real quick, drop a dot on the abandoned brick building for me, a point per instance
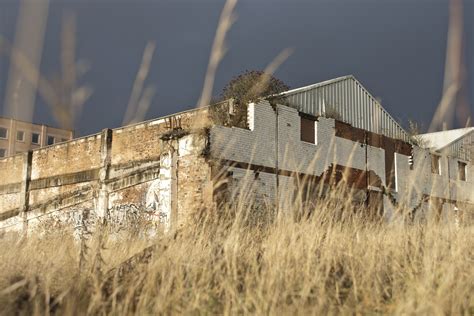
(169, 166)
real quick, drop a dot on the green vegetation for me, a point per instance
(251, 86)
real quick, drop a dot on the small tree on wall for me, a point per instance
(250, 86)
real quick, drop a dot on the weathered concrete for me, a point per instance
(171, 167)
(134, 167)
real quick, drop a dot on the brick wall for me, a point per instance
(165, 167)
(131, 168)
(11, 176)
(376, 157)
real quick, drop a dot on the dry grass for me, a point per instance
(239, 261)
(242, 260)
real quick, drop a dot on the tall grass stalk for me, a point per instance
(235, 260)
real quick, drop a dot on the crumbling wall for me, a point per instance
(11, 177)
(11, 169)
(300, 156)
(194, 186)
(256, 149)
(64, 173)
(66, 158)
(377, 165)
(60, 178)
(166, 168)
(176, 151)
(141, 142)
(116, 174)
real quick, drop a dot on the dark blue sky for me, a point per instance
(396, 48)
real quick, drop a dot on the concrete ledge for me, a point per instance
(65, 179)
(9, 213)
(10, 188)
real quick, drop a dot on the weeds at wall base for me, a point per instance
(242, 260)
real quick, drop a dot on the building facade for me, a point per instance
(18, 136)
(170, 167)
(458, 143)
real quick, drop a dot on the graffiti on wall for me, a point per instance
(152, 207)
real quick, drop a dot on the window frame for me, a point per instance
(464, 168)
(50, 137)
(438, 159)
(5, 153)
(6, 132)
(22, 140)
(314, 120)
(39, 138)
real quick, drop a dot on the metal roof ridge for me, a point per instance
(379, 104)
(468, 129)
(331, 81)
(317, 85)
(457, 139)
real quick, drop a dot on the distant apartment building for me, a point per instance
(18, 136)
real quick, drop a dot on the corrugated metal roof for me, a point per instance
(458, 143)
(462, 148)
(346, 98)
(439, 140)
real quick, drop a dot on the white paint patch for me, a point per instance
(186, 145)
(158, 196)
(156, 122)
(251, 116)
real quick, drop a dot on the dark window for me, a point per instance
(308, 130)
(3, 132)
(435, 164)
(390, 149)
(20, 136)
(50, 140)
(3, 152)
(35, 138)
(462, 170)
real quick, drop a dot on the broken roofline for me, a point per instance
(285, 94)
(356, 105)
(469, 130)
(349, 96)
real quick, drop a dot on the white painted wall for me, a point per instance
(259, 146)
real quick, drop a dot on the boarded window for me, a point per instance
(435, 164)
(462, 170)
(308, 129)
